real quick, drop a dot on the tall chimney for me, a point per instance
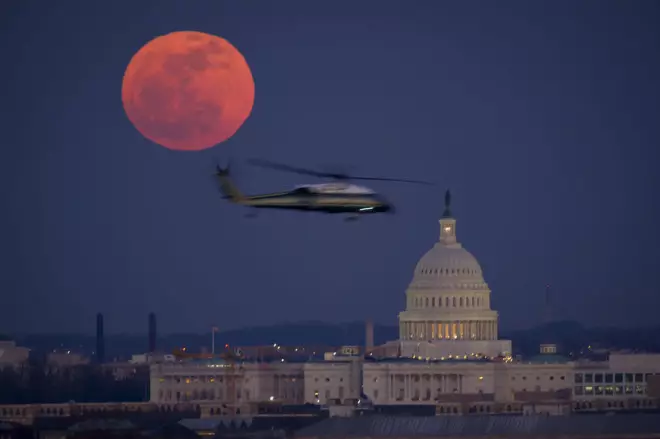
(152, 333)
(547, 306)
(369, 336)
(100, 339)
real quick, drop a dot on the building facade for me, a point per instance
(226, 385)
(12, 355)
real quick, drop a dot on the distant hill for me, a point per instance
(570, 336)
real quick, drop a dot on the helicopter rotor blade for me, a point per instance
(280, 167)
(333, 175)
(398, 180)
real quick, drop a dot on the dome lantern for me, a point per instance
(447, 223)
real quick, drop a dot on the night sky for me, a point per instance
(542, 117)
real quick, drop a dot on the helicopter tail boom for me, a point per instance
(227, 186)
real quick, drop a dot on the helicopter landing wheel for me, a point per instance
(351, 218)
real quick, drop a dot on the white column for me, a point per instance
(406, 393)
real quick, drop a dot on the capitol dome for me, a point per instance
(448, 267)
(448, 298)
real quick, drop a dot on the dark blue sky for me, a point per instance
(542, 117)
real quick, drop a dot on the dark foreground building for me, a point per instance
(638, 426)
(113, 425)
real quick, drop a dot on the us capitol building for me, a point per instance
(448, 303)
(448, 356)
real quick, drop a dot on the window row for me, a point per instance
(448, 302)
(611, 377)
(636, 389)
(538, 378)
(448, 271)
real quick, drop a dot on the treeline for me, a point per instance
(571, 336)
(37, 383)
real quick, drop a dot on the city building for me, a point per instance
(12, 355)
(448, 359)
(448, 355)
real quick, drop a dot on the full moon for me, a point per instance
(188, 91)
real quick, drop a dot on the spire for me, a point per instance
(447, 212)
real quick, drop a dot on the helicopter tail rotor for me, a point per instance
(226, 184)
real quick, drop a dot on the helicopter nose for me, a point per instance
(387, 208)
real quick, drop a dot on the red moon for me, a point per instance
(188, 91)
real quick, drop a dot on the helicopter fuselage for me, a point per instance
(326, 198)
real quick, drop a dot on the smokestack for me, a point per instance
(152, 333)
(369, 336)
(547, 306)
(100, 339)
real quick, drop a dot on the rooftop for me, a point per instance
(484, 426)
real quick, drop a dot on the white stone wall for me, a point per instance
(424, 383)
(251, 382)
(528, 377)
(329, 380)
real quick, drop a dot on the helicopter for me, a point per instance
(337, 197)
